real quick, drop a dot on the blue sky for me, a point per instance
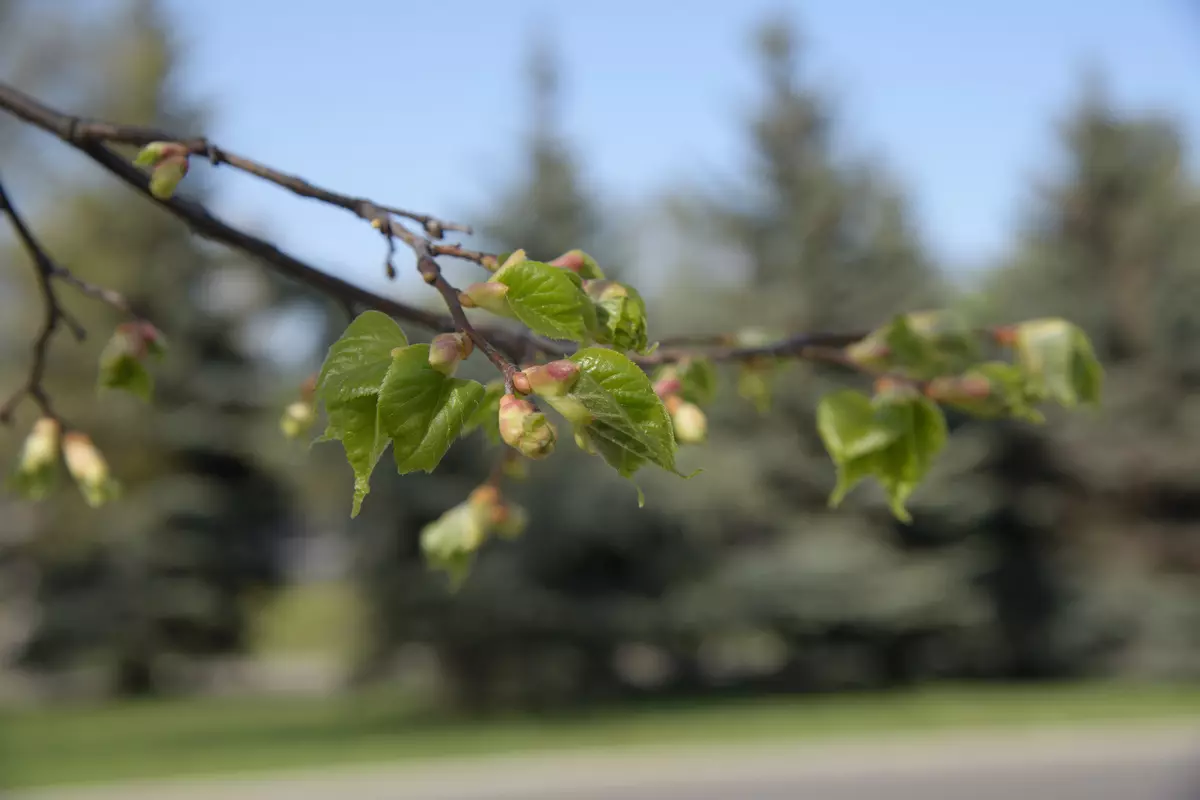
(420, 104)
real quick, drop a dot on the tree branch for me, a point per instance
(504, 347)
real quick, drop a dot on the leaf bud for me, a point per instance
(37, 467)
(89, 469)
(554, 379)
(490, 296)
(447, 350)
(167, 174)
(524, 428)
(690, 423)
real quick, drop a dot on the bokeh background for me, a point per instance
(799, 166)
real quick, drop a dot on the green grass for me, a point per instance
(184, 738)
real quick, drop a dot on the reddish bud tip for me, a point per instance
(572, 261)
(1005, 335)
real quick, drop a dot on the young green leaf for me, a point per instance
(358, 361)
(892, 438)
(423, 410)
(1058, 362)
(550, 301)
(620, 315)
(459, 400)
(355, 423)
(124, 371)
(614, 403)
(122, 361)
(450, 542)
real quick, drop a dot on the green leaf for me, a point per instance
(458, 402)
(893, 438)
(358, 361)
(356, 424)
(121, 363)
(1058, 362)
(124, 371)
(450, 542)
(487, 413)
(422, 410)
(549, 300)
(626, 422)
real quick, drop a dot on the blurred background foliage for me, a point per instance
(1058, 552)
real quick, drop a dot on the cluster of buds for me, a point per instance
(169, 165)
(689, 421)
(447, 351)
(524, 428)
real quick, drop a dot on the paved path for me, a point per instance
(1142, 764)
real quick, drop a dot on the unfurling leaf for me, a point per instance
(892, 438)
(358, 361)
(447, 350)
(451, 542)
(615, 412)
(554, 379)
(524, 428)
(550, 301)
(36, 473)
(620, 315)
(1058, 362)
(89, 470)
(122, 362)
(489, 296)
(167, 175)
(580, 263)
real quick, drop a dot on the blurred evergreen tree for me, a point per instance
(1096, 537)
(815, 240)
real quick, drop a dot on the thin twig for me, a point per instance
(53, 316)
